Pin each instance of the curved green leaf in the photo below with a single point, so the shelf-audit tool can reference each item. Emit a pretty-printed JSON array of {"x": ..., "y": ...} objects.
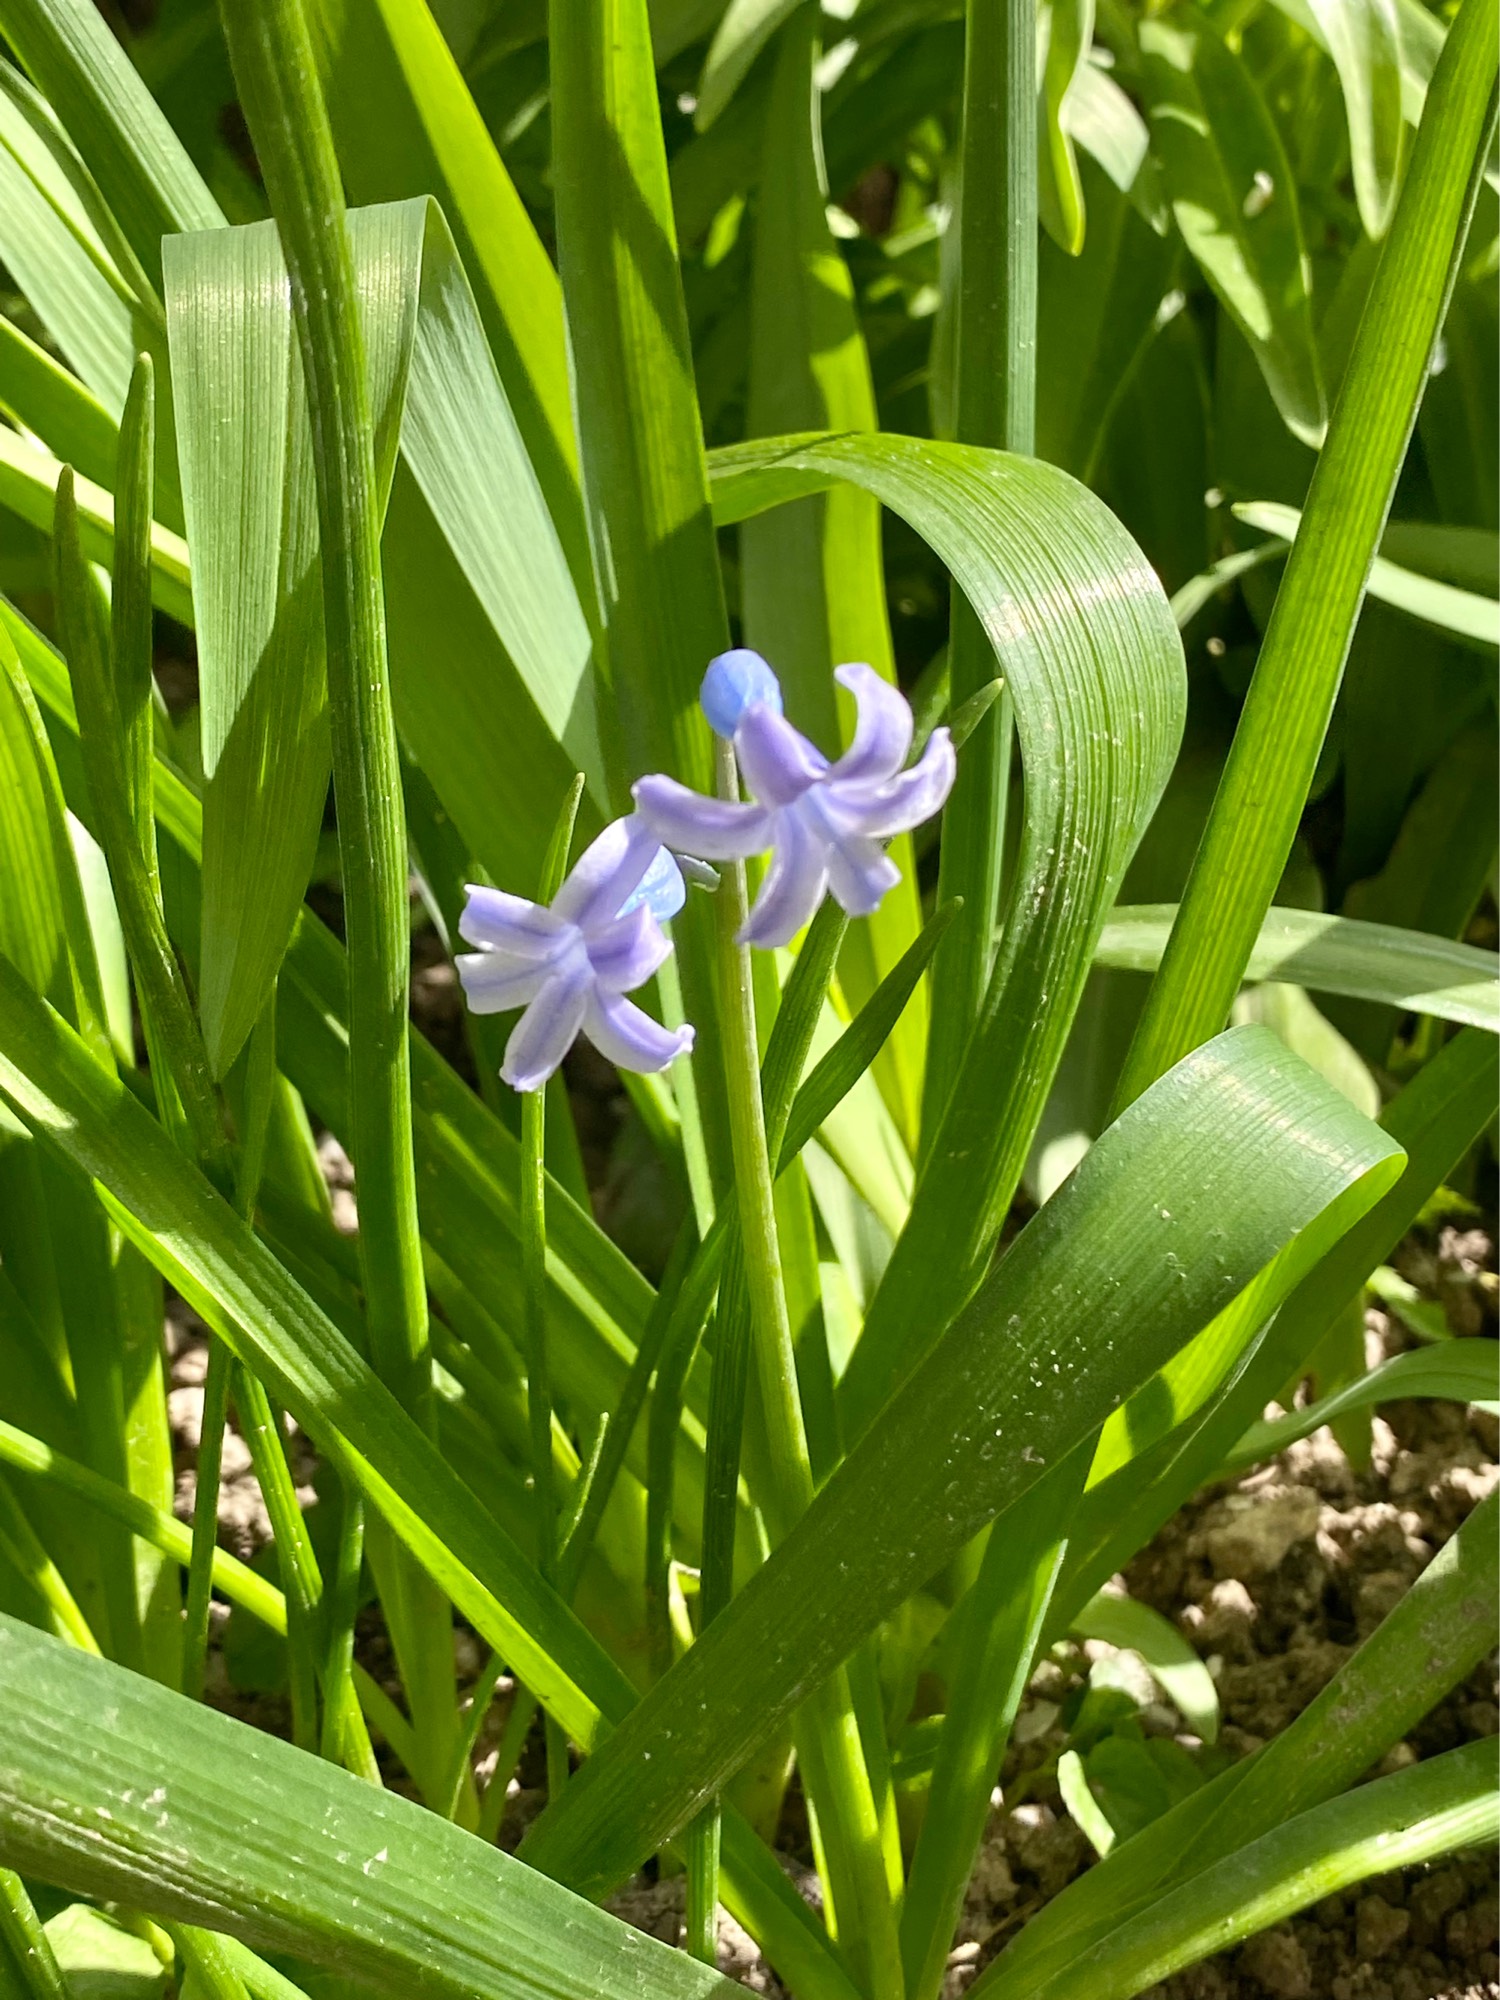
[
  {"x": 1093, "y": 663},
  {"x": 1235, "y": 200},
  {"x": 1463, "y": 612},
  {"x": 1370, "y": 44},
  {"x": 1065, "y": 28},
  {"x": 1411, "y": 969},
  {"x": 113, "y": 1787},
  {"x": 1187, "y": 1683},
  {"x": 1089, "y": 1301},
  {"x": 1467, "y": 1371}
]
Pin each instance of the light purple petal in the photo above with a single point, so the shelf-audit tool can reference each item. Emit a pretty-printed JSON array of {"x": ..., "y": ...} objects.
[
  {"x": 882, "y": 734},
  {"x": 879, "y": 811},
  {"x": 711, "y": 829},
  {"x": 794, "y": 884},
  {"x": 624, "y": 954},
  {"x": 859, "y": 874},
  {"x": 776, "y": 761},
  {"x": 630, "y": 1039},
  {"x": 662, "y": 889},
  {"x": 549, "y": 1027},
  {"x": 607, "y": 873},
  {"x": 511, "y": 924},
  {"x": 494, "y": 982}
]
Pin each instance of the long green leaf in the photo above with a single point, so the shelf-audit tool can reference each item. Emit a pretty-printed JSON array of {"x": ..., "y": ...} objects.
[
  {"x": 1235, "y": 200},
  {"x": 1270, "y": 768},
  {"x": 1082, "y": 1309},
  {"x": 114, "y": 1788},
  {"x": 1364, "y": 39},
  {"x": 1410, "y": 969},
  {"x": 113, "y": 118},
  {"x": 1465, "y": 613},
  {"x": 249, "y": 1299},
  {"x": 1465, "y": 1370}
]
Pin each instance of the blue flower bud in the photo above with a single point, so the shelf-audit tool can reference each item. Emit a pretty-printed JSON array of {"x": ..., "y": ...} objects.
[
  {"x": 733, "y": 682},
  {"x": 661, "y": 889}
]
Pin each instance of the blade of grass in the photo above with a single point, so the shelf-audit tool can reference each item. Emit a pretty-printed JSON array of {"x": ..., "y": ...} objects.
[
  {"x": 1264, "y": 788},
  {"x": 30, "y": 1949}
]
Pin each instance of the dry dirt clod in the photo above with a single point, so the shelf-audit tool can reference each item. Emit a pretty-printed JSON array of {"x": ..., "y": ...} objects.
[{"x": 1249, "y": 1534}]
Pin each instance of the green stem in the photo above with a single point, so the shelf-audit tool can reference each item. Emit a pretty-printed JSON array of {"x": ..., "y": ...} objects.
[
  {"x": 995, "y": 405},
  {"x": 301, "y": 1580},
  {"x": 538, "y": 1375},
  {"x": 130, "y": 603},
  {"x": 827, "y": 1735},
  {"x": 25, "y": 1944},
  {"x": 205, "y": 1517},
  {"x": 274, "y": 67},
  {"x": 512, "y": 1743}
]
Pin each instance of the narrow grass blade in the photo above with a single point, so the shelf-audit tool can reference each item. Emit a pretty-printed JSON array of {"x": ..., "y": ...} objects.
[
  {"x": 1464, "y": 1370},
  {"x": 29, "y": 1949},
  {"x": 928, "y": 1474},
  {"x": 1365, "y": 41},
  {"x": 40, "y": 393},
  {"x": 287, "y": 1853},
  {"x": 405, "y": 125},
  {"x": 1297, "y": 677},
  {"x": 993, "y": 298},
  {"x": 133, "y": 151},
  {"x": 1182, "y": 1676},
  {"x": 1465, "y": 613},
  {"x": 1365, "y": 961},
  {"x": 1396, "y": 1822},
  {"x": 644, "y": 481}
]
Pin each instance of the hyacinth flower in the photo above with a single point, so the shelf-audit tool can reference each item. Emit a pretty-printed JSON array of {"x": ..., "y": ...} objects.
[
  {"x": 824, "y": 824},
  {"x": 570, "y": 963}
]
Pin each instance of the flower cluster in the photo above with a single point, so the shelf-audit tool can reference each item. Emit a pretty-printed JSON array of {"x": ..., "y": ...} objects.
[{"x": 570, "y": 964}]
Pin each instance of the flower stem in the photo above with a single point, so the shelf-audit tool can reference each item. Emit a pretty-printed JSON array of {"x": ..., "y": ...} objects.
[{"x": 826, "y": 1733}]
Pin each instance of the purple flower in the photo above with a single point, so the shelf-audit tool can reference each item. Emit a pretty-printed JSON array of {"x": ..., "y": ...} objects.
[
  {"x": 571, "y": 964},
  {"x": 825, "y": 824}
]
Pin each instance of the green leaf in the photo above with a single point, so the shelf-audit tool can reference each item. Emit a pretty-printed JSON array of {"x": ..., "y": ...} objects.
[
  {"x": 29, "y": 475},
  {"x": 1408, "y": 969},
  {"x": 249, "y": 1299},
  {"x": 39, "y": 392},
  {"x": 1235, "y": 199},
  {"x": 1082, "y": 1309},
  {"x": 1464, "y": 1370},
  {"x": 1184, "y": 1679},
  {"x": 102, "y": 1961},
  {"x": 405, "y": 125},
  {"x": 1285, "y": 719},
  {"x": 1065, "y": 28},
  {"x": 743, "y": 31},
  {"x": 112, "y": 117},
  {"x": 1092, "y": 660},
  {"x": 1370, "y": 42},
  {"x": 53, "y": 245},
  {"x": 1465, "y": 613},
  {"x": 485, "y": 721},
  {"x": 115, "y": 1788},
  {"x": 1083, "y": 1808}
]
